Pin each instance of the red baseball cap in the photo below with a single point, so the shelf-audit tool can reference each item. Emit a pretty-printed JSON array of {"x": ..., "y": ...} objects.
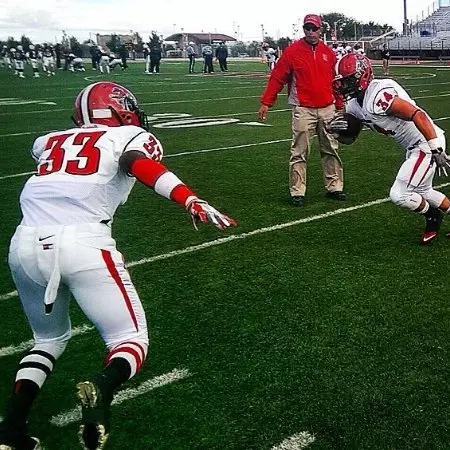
[{"x": 313, "y": 19}]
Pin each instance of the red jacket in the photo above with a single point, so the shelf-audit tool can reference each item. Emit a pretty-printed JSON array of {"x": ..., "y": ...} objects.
[{"x": 309, "y": 71}]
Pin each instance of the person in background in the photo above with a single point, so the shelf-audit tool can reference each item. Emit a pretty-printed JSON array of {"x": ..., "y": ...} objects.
[
  {"x": 222, "y": 55},
  {"x": 385, "y": 57},
  {"x": 146, "y": 52},
  {"x": 96, "y": 54},
  {"x": 63, "y": 247},
  {"x": 307, "y": 67},
  {"x": 207, "y": 53},
  {"x": 155, "y": 58},
  {"x": 191, "y": 53},
  {"x": 270, "y": 55},
  {"x": 123, "y": 53},
  {"x": 33, "y": 57},
  {"x": 58, "y": 55}
]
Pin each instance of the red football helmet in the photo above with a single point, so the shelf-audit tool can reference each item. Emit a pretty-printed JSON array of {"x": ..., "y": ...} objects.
[
  {"x": 110, "y": 104},
  {"x": 353, "y": 75}
]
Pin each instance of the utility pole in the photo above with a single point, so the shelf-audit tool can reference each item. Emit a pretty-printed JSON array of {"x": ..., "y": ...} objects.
[{"x": 405, "y": 19}]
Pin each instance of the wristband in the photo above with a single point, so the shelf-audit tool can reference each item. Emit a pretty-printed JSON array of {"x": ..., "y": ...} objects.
[{"x": 434, "y": 144}]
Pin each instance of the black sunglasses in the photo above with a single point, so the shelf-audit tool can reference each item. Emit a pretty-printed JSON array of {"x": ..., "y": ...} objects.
[{"x": 310, "y": 27}]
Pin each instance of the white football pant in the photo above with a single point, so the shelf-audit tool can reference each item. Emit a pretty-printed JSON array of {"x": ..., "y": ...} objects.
[
  {"x": 50, "y": 262},
  {"x": 414, "y": 181}
]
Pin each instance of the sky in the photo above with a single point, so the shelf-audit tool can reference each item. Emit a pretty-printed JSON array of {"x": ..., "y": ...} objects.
[{"x": 247, "y": 20}]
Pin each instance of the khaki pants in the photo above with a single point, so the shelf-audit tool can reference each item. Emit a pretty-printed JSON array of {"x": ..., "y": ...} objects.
[{"x": 305, "y": 123}]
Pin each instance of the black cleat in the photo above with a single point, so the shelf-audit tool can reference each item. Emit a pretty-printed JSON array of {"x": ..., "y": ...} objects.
[
  {"x": 12, "y": 438},
  {"x": 433, "y": 218},
  {"x": 298, "y": 200},
  {"x": 94, "y": 428},
  {"x": 336, "y": 195}
]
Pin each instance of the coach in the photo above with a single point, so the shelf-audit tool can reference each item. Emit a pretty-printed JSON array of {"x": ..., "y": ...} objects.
[{"x": 307, "y": 67}]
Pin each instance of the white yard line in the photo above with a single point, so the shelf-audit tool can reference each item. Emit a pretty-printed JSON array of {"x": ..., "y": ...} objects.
[
  {"x": 296, "y": 441},
  {"x": 235, "y": 237},
  {"x": 175, "y": 155},
  {"x": 74, "y": 415},
  {"x": 14, "y": 349}
]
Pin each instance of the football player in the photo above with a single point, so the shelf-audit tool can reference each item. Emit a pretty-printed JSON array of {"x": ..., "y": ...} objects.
[
  {"x": 384, "y": 106},
  {"x": 64, "y": 246},
  {"x": 146, "y": 52},
  {"x": 103, "y": 64},
  {"x": 48, "y": 59},
  {"x": 33, "y": 57},
  {"x": 75, "y": 63},
  {"x": 19, "y": 61},
  {"x": 270, "y": 55},
  {"x": 5, "y": 58},
  {"x": 114, "y": 61}
]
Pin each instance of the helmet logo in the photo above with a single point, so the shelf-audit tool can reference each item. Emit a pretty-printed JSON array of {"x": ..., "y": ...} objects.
[{"x": 124, "y": 99}]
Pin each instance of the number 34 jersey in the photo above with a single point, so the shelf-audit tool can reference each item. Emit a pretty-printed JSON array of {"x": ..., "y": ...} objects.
[
  {"x": 78, "y": 177},
  {"x": 377, "y": 100}
]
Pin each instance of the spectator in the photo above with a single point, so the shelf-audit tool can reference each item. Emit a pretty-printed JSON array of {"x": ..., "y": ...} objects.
[
  {"x": 222, "y": 55},
  {"x": 207, "y": 53},
  {"x": 385, "y": 56},
  {"x": 64, "y": 246},
  {"x": 191, "y": 53},
  {"x": 307, "y": 67}
]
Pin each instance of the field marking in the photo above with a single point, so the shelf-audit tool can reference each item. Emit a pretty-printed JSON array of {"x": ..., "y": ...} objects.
[
  {"x": 171, "y": 102},
  {"x": 445, "y": 94},
  {"x": 296, "y": 441},
  {"x": 235, "y": 237},
  {"x": 14, "y": 349},
  {"x": 253, "y": 113},
  {"x": 74, "y": 415},
  {"x": 175, "y": 155}
]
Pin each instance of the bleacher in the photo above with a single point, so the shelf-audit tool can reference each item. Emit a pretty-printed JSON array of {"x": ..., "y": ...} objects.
[{"x": 428, "y": 38}]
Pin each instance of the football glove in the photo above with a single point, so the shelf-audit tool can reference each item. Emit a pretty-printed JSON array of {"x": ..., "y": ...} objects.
[
  {"x": 203, "y": 212},
  {"x": 337, "y": 125},
  {"x": 442, "y": 161}
]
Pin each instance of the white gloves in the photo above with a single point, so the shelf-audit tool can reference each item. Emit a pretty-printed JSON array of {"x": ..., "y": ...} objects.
[{"x": 442, "y": 161}]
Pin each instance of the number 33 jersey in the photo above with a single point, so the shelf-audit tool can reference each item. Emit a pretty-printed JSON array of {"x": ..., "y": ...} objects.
[
  {"x": 78, "y": 177},
  {"x": 377, "y": 100}
]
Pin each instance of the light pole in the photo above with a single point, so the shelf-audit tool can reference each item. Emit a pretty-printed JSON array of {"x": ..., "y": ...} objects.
[
  {"x": 262, "y": 32},
  {"x": 341, "y": 24}
]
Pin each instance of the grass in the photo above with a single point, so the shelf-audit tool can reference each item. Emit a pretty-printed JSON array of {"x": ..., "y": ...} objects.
[{"x": 337, "y": 326}]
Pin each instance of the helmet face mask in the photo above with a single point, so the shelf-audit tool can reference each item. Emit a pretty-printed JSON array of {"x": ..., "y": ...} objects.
[
  {"x": 353, "y": 75},
  {"x": 110, "y": 104}
]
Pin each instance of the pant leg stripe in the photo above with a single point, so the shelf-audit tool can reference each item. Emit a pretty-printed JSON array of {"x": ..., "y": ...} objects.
[{"x": 116, "y": 277}]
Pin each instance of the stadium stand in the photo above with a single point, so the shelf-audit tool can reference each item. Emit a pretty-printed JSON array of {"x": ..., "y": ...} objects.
[{"x": 428, "y": 39}]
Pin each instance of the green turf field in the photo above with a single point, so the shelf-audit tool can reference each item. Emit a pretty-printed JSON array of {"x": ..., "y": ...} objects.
[{"x": 328, "y": 325}]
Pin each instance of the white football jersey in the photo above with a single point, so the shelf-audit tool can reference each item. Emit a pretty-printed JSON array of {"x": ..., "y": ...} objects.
[
  {"x": 78, "y": 177},
  {"x": 377, "y": 100}
]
